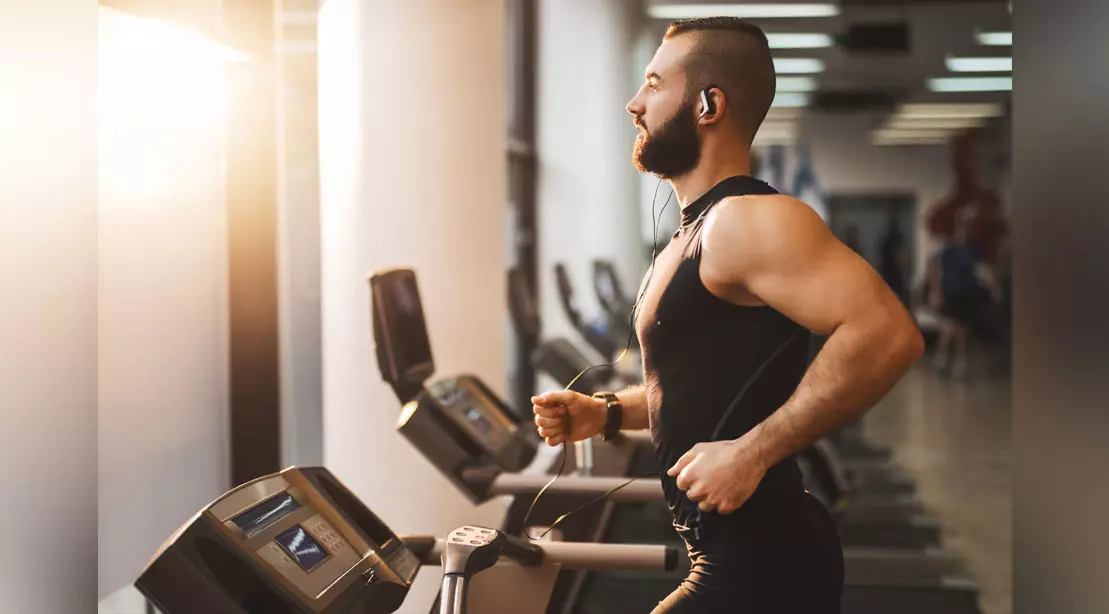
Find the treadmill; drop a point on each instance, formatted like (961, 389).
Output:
(300, 542)
(482, 447)
(610, 293)
(606, 336)
(556, 357)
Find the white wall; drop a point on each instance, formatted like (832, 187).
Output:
(48, 307)
(588, 190)
(162, 303)
(412, 160)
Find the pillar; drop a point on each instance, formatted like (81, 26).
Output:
(412, 174)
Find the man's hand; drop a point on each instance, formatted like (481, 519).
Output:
(719, 476)
(554, 410)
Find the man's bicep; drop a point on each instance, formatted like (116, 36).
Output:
(817, 281)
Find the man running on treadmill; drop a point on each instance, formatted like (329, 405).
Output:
(723, 324)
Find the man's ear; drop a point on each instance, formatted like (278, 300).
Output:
(712, 105)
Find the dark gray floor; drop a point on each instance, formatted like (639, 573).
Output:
(955, 439)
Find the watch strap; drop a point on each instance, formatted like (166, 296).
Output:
(614, 414)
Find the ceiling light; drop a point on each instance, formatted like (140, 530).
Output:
(971, 84)
(948, 110)
(790, 100)
(780, 128)
(799, 41)
(796, 84)
(979, 64)
(910, 134)
(797, 66)
(783, 114)
(770, 142)
(747, 10)
(994, 39)
(886, 142)
(934, 124)
(768, 138)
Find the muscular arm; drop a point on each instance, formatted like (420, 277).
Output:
(775, 250)
(634, 400)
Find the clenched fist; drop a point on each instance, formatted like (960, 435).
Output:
(719, 476)
(568, 416)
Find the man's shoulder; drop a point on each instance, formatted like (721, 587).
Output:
(759, 213)
(748, 231)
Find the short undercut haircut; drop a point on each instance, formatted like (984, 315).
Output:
(733, 55)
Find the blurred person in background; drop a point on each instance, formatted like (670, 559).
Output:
(985, 223)
(958, 276)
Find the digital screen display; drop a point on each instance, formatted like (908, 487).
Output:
(605, 282)
(398, 300)
(306, 550)
(478, 420)
(257, 518)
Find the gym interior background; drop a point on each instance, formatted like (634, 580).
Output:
(259, 158)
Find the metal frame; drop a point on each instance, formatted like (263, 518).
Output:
(522, 163)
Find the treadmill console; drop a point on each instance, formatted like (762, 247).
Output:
(468, 433)
(296, 541)
(467, 404)
(400, 332)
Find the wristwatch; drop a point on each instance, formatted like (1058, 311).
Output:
(614, 414)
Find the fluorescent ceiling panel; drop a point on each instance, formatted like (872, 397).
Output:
(971, 84)
(957, 64)
(796, 84)
(798, 66)
(790, 100)
(994, 39)
(948, 110)
(752, 10)
(810, 40)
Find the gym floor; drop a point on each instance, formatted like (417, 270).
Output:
(956, 441)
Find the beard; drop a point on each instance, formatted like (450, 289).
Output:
(673, 150)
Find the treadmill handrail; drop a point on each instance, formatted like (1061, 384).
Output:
(587, 556)
(637, 489)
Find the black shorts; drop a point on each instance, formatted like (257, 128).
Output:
(962, 309)
(785, 559)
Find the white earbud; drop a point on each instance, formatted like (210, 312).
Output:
(706, 103)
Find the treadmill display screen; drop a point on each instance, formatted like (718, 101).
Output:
(401, 313)
(478, 421)
(605, 285)
(306, 550)
(257, 518)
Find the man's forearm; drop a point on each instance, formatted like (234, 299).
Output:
(634, 400)
(852, 372)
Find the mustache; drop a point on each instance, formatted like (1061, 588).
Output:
(639, 124)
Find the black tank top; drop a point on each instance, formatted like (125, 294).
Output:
(713, 370)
